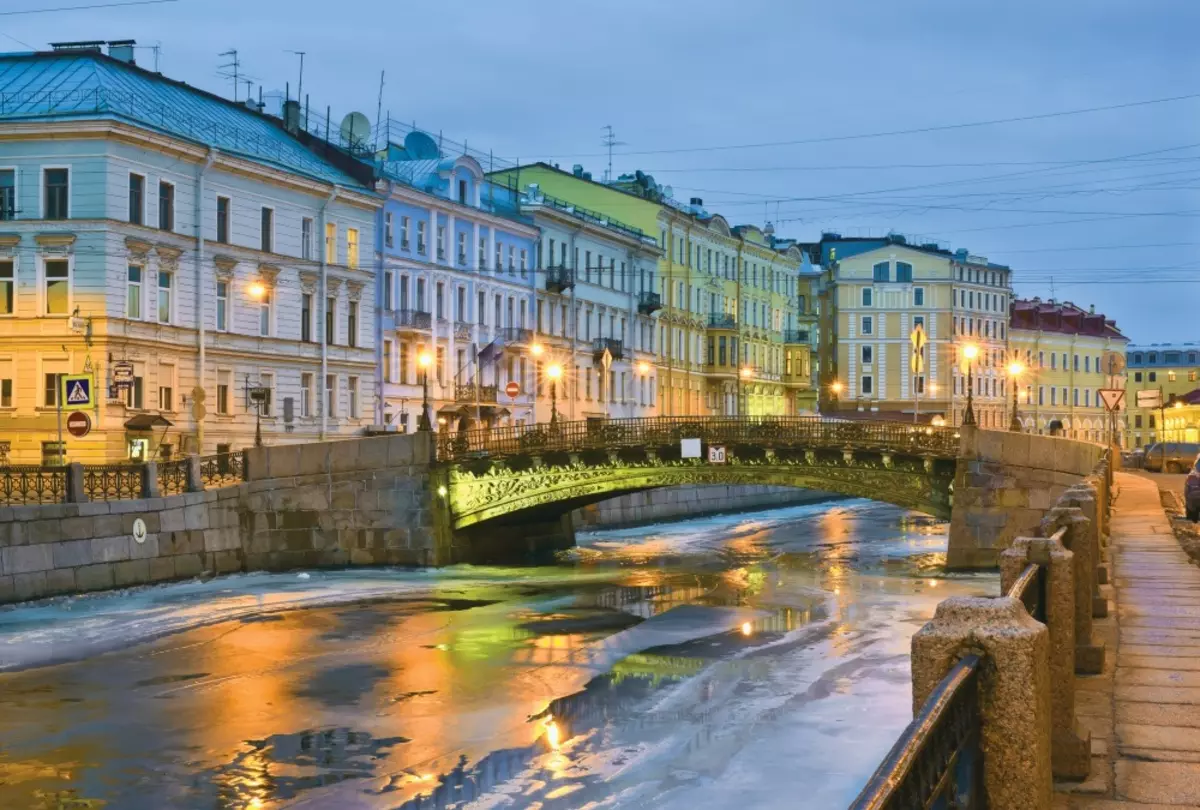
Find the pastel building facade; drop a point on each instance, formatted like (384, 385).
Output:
(152, 226)
(1172, 371)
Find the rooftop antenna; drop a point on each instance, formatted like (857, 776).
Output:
(609, 140)
(300, 86)
(249, 84)
(378, 110)
(235, 64)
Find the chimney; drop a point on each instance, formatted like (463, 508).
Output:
(577, 170)
(122, 50)
(1091, 309)
(291, 115)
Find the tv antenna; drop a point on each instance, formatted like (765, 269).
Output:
(235, 64)
(609, 140)
(300, 86)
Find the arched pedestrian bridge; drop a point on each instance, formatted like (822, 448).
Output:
(518, 485)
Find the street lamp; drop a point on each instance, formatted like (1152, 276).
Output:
(643, 367)
(425, 360)
(554, 372)
(259, 396)
(744, 374)
(257, 290)
(1015, 370)
(536, 350)
(970, 352)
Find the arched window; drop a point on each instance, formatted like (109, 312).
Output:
(903, 271)
(882, 271)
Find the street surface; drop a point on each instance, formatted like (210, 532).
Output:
(756, 660)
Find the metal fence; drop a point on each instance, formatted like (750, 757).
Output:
(665, 430)
(173, 477)
(30, 484)
(222, 470)
(113, 482)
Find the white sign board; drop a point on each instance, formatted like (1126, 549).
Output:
(689, 448)
(1149, 399)
(716, 454)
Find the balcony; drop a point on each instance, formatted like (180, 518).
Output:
(462, 330)
(722, 320)
(409, 319)
(513, 335)
(466, 392)
(615, 348)
(796, 336)
(649, 302)
(559, 279)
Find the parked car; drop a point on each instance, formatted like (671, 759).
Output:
(1191, 493)
(1171, 457)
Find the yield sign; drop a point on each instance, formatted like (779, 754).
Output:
(1112, 397)
(917, 336)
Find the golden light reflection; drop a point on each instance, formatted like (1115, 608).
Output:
(747, 628)
(552, 733)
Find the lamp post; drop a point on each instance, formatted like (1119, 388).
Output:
(1015, 370)
(425, 360)
(970, 353)
(258, 395)
(554, 372)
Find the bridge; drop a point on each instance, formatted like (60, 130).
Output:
(512, 489)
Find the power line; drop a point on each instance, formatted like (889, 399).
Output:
(895, 132)
(84, 8)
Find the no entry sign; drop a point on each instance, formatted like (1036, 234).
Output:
(79, 424)
(513, 389)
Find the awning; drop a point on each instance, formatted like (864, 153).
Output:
(146, 421)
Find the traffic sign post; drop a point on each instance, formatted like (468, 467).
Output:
(917, 364)
(513, 389)
(79, 424)
(78, 392)
(1112, 397)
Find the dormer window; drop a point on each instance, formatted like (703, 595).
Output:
(462, 191)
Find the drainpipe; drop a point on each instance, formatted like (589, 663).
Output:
(200, 336)
(324, 303)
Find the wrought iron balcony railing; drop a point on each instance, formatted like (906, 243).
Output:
(649, 302)
(515, 334)
(795, 336)
(616, 348)
(413, 319)
(722, 320)
(466, 392)
(559, 279)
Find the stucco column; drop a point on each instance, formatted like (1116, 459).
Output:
(473, 254)
(1014, 691)
(1089, 654)
(432, 247)
(1071, 746)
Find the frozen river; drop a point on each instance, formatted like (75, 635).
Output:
(754, 660)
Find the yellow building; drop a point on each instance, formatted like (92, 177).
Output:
(877, 291)
(1171, 370)
(1063, 349)
(734, 315)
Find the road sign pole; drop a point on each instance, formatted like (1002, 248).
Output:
(62, 456)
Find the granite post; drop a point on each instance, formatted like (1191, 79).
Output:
(1089, 655)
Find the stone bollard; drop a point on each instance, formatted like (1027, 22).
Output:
(1089, 655)
(74, 484)
(150, 479)
(1088, 497)
(1071, 746)
(195, 483)
(1014, 691)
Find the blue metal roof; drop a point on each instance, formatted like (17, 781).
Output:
(88, 85)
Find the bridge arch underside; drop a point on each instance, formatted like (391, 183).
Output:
(516, 508)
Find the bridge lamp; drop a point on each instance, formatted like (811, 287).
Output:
(424, 360)
(970, 352)
(554, 372)
(1015, 370)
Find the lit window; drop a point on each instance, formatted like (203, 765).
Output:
(165, 281)
(222, 306)
(133, 293)
(58, 287)
(352, 248)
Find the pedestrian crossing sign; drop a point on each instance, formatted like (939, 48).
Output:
(77, 392)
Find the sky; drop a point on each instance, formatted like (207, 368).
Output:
(759, 109)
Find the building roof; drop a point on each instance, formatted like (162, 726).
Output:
(847, 246)
(1190, 398)
(1036, 315)
(85, 84)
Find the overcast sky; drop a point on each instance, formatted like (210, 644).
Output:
(1107, 196)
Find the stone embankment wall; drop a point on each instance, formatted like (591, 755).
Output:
(360, 502)
(1004, 484)
(672, 503)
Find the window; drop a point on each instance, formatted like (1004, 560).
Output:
(389, 284)
(867, 325)
(267, 231)
(882, 271)
(165, 281)
(133, 394)
(387, 229)
(264, 314)
(330, 391)
(462, 248)
(867, 355)
(388, 376)
(1153, 376)
(6, 392)
(223, 386)
(137, 199)
(330, 317)
(306, 394)
(352, 324)
(330, 243)
(8, 194)
(867, 385)
(441, 241)
(1053, 395)
(306, 237)
(404, 233)
(267, 382)
(1137, 376)
(421, 225)
(223, 220)
(1191, 374)
(352, 390)
(352, 248)
(1137, 421)
(918, 296)
(306, 301)
(166, 206)
(512, 258)
(524, 261)
(462, 191)
(166, 389)
(50, 392)
(1170, 376)
(222, 306)
(58, 287)
(1053, 360)
(903, 271)
(133, 293)
(867, 294)
(1076, 363)
(56, 193)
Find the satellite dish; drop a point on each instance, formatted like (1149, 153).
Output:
(668, 192)
(356, 130)
(420, 146)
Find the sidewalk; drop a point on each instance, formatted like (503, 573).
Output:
(1144, 710)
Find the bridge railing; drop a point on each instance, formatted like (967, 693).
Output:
(27, 485)
(657, 431)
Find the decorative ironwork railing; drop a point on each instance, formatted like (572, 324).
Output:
(649, 302)
(172, 477)
(807, 432)
(615, 347)
(413, 319)
(795, 336)
(722, 320)
(222, 470)
(113, 482)
(559, 278)
(516, 334)
(937, 762)
(31, 484)
(466, 392)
